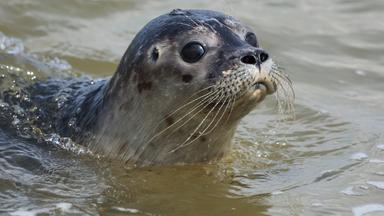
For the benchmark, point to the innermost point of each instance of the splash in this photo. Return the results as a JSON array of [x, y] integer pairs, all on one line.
[[46, 65], [18, 113], [10, 45]]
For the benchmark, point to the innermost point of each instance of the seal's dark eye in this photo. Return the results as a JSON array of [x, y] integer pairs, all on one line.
[[251, 39], [192, 52]]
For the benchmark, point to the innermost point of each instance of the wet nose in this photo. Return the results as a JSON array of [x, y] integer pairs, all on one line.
[[257, 57]]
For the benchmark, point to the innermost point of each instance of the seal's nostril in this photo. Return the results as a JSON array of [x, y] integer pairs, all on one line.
[[263, 56], [249, 59]]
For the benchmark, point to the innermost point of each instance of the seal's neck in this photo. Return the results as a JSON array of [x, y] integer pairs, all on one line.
[[124, 125]]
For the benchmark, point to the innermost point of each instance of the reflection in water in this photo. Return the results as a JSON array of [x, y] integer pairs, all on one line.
[[328, 160]]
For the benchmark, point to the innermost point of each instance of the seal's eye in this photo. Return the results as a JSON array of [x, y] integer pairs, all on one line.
[[192, 52], [251, 39]]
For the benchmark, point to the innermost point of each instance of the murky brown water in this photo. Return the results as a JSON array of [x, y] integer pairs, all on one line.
[[328, 161]]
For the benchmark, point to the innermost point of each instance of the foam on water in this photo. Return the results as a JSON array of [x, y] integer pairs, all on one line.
[[368, 208], [378, 184], [67, 144], [128, 210], [277, 192], [10, 45], [60, 64], [359, 156], [58, 208], [15, 46], [376, 161], [350, 191]]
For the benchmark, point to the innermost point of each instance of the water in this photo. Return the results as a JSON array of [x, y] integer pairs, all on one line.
[[328, 161]]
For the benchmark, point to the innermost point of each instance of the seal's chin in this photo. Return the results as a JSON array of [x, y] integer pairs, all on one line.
[[260, 90], [266, 86], [255, 94]]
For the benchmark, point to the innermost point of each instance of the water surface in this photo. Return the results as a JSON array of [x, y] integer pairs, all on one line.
[[329, 160]]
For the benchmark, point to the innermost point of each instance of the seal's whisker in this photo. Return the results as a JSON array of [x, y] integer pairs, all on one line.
[[288, 93], [207, 103], [204, 96], [284, 97], [282, 75], [232, 101], [282, 92], [199, 104], [214, 118], [280, 70], [186, 142], [218, 121], [278, 67], [201, 90], [282, 88]]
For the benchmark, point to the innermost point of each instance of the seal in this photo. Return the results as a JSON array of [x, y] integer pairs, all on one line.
[[181, 88]]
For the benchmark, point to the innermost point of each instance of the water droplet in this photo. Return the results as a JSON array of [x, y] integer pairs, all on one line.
[[72, 122], [15, 121]]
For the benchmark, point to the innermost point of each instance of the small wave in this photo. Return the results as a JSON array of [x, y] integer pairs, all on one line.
[[58, 208], [15, 46], [10, 45], [377, 184], [359, 156], [127, 210], [350, 191], [369, 208], [67, 144], [18, 71]]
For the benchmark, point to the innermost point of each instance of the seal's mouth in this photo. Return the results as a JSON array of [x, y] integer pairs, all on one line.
[[257, 92], [268, 87]]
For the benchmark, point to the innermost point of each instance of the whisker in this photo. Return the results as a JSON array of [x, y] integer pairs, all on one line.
[[214, 118], [204, 95], [186, 143], [284, 101], [217, 122], [199, 104], [233, 101], [185, 122], [282, 76]]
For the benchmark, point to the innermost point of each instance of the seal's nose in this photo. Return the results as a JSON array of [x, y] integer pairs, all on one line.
[[257, 57]]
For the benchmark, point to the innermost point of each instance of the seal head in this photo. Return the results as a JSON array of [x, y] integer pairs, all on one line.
[[181, 88]]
